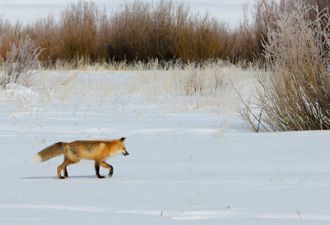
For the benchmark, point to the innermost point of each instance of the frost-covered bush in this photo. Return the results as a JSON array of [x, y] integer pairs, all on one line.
[[20, 62], [297, 95]]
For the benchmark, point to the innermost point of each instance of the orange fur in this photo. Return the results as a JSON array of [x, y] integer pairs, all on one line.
[[97, 150]]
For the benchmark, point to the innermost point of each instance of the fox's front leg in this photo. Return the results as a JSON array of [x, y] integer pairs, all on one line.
[[97, 170], [107, 166]]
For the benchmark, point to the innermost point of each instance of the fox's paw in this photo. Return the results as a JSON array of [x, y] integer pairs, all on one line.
[[100, 177], [61, 177]]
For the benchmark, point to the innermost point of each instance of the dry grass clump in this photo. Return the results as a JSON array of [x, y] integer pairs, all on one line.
[[297, 96], [202, 82], [210, 80]]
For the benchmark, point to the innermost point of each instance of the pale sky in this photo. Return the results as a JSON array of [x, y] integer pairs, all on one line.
[[29, 10]]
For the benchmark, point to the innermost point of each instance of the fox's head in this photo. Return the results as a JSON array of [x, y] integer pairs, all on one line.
[[121, 146]]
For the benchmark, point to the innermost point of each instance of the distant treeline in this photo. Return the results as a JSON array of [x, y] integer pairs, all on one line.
[[165, 31]]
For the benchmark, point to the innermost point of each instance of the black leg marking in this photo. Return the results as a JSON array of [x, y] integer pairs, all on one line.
[[66, 172], [97, 170], [110, 171], [107, 166]]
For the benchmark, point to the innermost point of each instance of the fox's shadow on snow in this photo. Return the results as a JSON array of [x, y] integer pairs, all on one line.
[[69, 178]]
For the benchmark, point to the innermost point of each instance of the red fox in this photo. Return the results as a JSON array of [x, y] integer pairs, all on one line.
[[73, 152]]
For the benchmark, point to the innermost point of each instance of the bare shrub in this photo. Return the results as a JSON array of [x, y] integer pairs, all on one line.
[[267, 13], [20, 62], [243, 45], [248, 38], [164, 31], [130, 33], [9, 34], [78, 27], [290, 4], [253, 115], [297, 95], [46, 34], [101, 51], [199, 39]]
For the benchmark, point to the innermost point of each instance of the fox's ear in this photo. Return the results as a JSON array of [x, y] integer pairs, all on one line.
[[122, 139]]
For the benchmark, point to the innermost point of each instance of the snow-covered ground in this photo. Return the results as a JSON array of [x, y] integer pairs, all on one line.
[[192, 159]]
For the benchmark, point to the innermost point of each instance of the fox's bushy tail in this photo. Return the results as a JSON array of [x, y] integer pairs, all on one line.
[[50, 152]]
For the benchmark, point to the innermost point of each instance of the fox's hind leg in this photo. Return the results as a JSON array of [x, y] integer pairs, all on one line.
[[66, 172], [63, 166], [59, 170]]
